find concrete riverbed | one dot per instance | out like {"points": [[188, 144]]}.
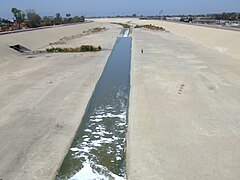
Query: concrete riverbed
{"points": [[183, 109], [43, 97], [98, 149], [184, 118]]}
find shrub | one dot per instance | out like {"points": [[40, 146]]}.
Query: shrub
{"points": [[83, 48], [150, 26]]}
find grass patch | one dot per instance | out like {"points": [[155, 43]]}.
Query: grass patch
{"points": [[83, 48], [150, 26], [122, 24]]}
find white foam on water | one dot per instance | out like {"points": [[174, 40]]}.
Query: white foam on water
{"points": [[87, 173], [126, 32], [74, 149], [96, 143], [88, 130], [119, 147], [82, 149], [118, 158], [96, 120], [110, 115], [99, 142], [99, 133], [105, 132], [122, 124], [109, 107], [86, 139]]}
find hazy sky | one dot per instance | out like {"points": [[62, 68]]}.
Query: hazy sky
{"points": [[120, 7]]}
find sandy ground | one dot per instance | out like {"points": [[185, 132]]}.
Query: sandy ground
{"points": [[184, 118], [43, 98]]}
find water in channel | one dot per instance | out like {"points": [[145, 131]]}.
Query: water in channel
{"points": [[98, 150]]}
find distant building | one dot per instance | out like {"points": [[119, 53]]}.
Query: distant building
{"points": [[174, 18], [236, 24], [5, 25], [186, 19], [205, 21]]}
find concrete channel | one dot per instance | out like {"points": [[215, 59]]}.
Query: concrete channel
{"points": [[98, 149], [183, 117]]}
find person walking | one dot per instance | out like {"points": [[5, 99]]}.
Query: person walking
{"points": [[142, 51]]}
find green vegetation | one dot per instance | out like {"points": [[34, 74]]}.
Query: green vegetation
{"points": [[122, 24], [226, 16], [31, 19], [58, 19], [83, 48], [18, 15], [34, 20], [150, 26]]}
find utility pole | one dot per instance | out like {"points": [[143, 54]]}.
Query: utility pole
{"points": [[160, 12]]}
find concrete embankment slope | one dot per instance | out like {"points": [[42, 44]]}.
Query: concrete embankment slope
{"points": [[224, 41], [39, 39], [43, 98], [184, 119]]}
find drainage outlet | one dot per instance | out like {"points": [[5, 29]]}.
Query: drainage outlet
{"points": [[20, 48]]}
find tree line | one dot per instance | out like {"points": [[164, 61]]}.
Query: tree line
{"points": [[230, 16], [226, 16], [31, 19]]}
